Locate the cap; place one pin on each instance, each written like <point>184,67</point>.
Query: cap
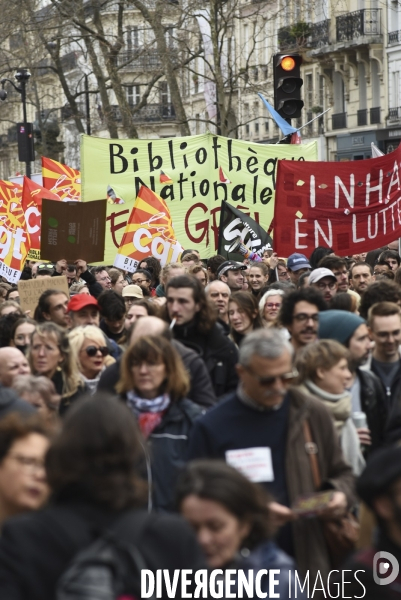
<point>80,301</point>
<point>230,265</point>
<point>382,469</point>
<point>338,325</point>
<point>297,261</point>
<point>132,291</point>
<point>318,274</point>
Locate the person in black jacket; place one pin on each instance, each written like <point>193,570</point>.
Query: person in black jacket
<point>92,469</point>
<point>154,385</point>
<point>194,324</point>
<point>366,389</point>
<point>201,391</point>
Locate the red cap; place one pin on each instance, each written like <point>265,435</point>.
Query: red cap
<point>80,301</point>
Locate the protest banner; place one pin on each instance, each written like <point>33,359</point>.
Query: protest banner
<point>73,230</point>
<point>193,191</point>
<point>30,290</point>
<point>351,207</point>
<point>32,196</point>
<point>14,240</point>
<point>234,224</point>
<point>61,179</point>
<point>149,232</point>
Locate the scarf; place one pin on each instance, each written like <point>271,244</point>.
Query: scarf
<point>338,405</point>
<point>148,412</point>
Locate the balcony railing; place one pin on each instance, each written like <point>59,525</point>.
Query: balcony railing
<point>143,59</point>
<point>351,26</point>
<point>394,114</point>
<point>394,37</point>
<point>320,34</point>
<point>362,116</point>
<point>149,113</point>
<point>375,115</point>
<point>339,121</point>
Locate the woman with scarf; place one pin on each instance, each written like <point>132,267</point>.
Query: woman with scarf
<point>154,384</point>
<point>324,373</point>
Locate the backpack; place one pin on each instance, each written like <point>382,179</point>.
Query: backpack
<point>107,569</point>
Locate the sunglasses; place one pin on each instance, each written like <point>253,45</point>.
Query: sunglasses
<point>93,350</point>
<point>268,381</point>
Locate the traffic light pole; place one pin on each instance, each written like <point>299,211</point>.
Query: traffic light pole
<point>28,171</point>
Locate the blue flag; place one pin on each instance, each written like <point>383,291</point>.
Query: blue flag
<point>285,127</point>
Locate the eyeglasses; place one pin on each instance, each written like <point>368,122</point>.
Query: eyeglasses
<point>138,281</point>
<point>93,350</point>
<point>28,463</point>
<point>304,317</point>
<point>322,286</point>
<point>273,305</point>
<point>268,381</point>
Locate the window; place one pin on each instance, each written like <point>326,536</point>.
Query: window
<point>266,126</point>
<point>132,38</point>
<point>197,123</point>
<point>133,94</point>
<point>309,90</point>
<point>165,97</point>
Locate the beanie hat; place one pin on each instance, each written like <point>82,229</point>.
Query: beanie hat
<point>338,325</point>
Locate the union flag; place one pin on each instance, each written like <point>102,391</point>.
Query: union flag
<point>32,196</point>
<point>64,181</point>
<point>13,226</point>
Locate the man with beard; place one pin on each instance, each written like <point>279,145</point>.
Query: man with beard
<point>299,313</point>
<point>367,394</point>
<point>259,429</point>
<point>384,322</point>
<point>143,279</point>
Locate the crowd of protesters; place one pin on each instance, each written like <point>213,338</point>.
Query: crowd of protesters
<point>207,414</point>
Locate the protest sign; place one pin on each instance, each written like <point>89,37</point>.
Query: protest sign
<point>14,240</point>
<point>30,290</point>
<point>32,196</point>
<point>233,224</point>
<point>149,232</point>
<point>351,207</point>
<point>73,230</point>
<point>185,172</point>
<point>61,179</point>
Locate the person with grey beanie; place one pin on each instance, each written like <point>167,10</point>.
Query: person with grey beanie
<point>367,393</point>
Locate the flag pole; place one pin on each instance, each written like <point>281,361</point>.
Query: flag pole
<point>308,123</point>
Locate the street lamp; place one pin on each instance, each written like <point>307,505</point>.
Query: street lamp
<point>26,152</point>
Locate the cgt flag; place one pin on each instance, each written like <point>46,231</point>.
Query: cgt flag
<point>62,180</point>
<point>14,240</point>
<point>32,196</point>
<point>149,232</point>
<point>234,224</point>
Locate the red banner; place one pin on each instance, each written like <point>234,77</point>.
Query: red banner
<point>351,207</point>
<point>61,179</point>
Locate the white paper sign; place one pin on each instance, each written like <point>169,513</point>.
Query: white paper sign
<point>255,463</point>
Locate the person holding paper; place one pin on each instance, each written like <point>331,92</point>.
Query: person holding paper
<point>259,430</point>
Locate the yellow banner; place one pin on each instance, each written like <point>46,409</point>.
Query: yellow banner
<point>191,174</point>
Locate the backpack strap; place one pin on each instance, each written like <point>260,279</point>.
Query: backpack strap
<point>311,449</point>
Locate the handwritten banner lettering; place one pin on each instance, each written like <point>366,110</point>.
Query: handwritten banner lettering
<point>350,207</point>
<point>191,174</point>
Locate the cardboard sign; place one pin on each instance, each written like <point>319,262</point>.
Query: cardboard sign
<point>351,207</point>
<point>255,463</point>
<point>73,230</point>
<point>30,290</point>
<point>193,175</point>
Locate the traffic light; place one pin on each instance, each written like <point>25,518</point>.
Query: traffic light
<point>287,85</point>
<point>26,152</point>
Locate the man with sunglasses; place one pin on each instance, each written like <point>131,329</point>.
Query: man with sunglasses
<point>299,313</point>
<point>259,431</point>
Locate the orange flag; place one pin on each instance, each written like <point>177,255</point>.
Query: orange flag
<point>14,239</point>
<point>149,232</point>
<point>64,181</point>
<point>32,195</point>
